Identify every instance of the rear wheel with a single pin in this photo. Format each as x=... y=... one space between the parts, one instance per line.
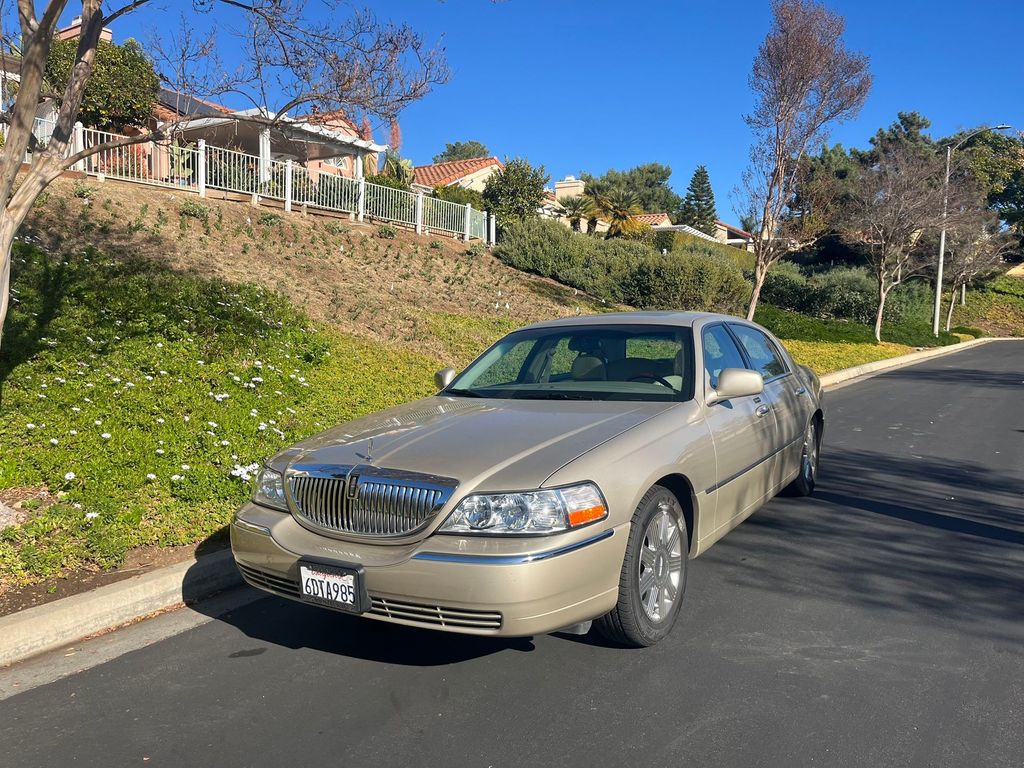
x=803 y=485
x=653 y=575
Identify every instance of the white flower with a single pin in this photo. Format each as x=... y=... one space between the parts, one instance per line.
x=151 y=477
x=159 y=420
x=149 y=378
x=98 y=422
x=76 y=409
x=186 y=418
x=53 y=441
x=212 y=424
x=105 y=435
x=72 y=431
x=159 y=345
x=185 y=467
x=175 y=478
x=30 y=425
x=69 y=476
x=245 y=472
x=225 y=443
x=91 y=515
x=261 y=427
x=159 y=451
x=200 y=362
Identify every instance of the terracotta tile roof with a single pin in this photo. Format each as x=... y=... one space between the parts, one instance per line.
x=731 y=228
x=653 y=219
x=442 y=174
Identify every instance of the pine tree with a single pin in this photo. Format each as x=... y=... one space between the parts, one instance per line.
x=698 y=208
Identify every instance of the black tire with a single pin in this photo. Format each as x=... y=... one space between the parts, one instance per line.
x=804 y=483
x=629 y=623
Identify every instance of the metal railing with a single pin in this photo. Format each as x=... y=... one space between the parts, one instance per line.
x=200 y=166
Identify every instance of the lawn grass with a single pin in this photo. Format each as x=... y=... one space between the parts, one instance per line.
x=141 y=399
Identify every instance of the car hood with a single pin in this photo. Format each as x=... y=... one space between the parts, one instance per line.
x=485 y=444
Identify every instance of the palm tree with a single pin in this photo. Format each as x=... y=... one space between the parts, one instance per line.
x=575 y=208
x=620 y=206
x=596 y=195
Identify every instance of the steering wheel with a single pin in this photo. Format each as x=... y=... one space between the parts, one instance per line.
x=653 y=378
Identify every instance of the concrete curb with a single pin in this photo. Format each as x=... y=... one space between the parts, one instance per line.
x=46 y=627
x=848 y=375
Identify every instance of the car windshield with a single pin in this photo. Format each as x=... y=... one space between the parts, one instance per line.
x=586 y=362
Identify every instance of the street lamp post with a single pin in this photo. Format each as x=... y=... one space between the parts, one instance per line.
x=950 y=149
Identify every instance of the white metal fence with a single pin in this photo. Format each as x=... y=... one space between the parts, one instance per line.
x=199 y=167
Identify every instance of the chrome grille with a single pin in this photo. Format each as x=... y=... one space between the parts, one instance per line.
x=367 y=501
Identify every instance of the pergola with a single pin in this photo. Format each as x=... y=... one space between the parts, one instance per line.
x=270 y=137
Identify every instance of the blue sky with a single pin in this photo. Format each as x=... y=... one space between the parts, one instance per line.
x=592 y=84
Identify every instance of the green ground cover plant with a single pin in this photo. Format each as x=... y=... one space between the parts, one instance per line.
x=143 y=399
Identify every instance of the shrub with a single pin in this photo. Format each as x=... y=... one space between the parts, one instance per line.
x=384 y=232
x=270 y=219
x=195 y=210
x=82 y=190
x=436 y=245
x=460 y=195
x=967 y=330
x=387 y=181
x=622 y=270
x=707 y=283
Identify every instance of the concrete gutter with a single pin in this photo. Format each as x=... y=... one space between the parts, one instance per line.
x=47 y=627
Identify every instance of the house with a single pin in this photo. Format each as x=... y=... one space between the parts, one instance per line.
x=471 y=174
x=654 y=219
x=734 y=236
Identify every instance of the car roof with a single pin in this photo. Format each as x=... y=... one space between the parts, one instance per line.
x=685 y=319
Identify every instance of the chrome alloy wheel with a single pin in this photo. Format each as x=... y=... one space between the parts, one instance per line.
x=661 y=564
x=809 y=460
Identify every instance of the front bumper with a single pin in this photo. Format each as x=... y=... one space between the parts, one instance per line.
x=482 y=586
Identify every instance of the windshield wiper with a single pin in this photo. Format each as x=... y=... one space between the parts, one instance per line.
x=553 y=396
x=461 y=393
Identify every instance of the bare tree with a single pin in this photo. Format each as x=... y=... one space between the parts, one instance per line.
x=351 y=61
x=804 y=79
x=896 y=204
x=975 y=249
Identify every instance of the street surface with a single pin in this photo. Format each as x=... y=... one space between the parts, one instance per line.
x=879 y=623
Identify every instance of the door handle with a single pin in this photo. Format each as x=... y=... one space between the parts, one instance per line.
x=763 y=410
x=801 y=391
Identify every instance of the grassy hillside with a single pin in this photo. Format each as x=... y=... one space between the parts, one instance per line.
x=997 y=309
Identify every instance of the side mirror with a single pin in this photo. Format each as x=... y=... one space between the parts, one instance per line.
x=737 y=382
x=444 y=377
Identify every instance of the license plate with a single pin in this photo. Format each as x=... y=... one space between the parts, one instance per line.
x=332 y=586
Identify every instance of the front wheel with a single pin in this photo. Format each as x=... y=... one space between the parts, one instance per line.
x=653 y=575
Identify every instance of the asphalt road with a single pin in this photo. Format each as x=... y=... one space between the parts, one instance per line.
x=880 y=623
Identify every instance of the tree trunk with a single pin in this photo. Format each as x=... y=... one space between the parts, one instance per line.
x=952 y=304
x=882 y=295
x=760 y=274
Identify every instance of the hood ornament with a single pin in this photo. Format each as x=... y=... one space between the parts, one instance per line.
x=368 y=456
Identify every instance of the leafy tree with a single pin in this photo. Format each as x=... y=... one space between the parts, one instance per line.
x=996 y=162
x=576 y=209
x=649 y=182
x=515 y=191
x=698 y=209
x=121 y=90
x=462 y=150
x=908 y=131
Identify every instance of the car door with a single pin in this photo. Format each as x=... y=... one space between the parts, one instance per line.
x=743 y=430
x=781 y=394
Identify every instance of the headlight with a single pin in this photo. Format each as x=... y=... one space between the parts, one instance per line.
x=270 y=490
x=548 y=511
